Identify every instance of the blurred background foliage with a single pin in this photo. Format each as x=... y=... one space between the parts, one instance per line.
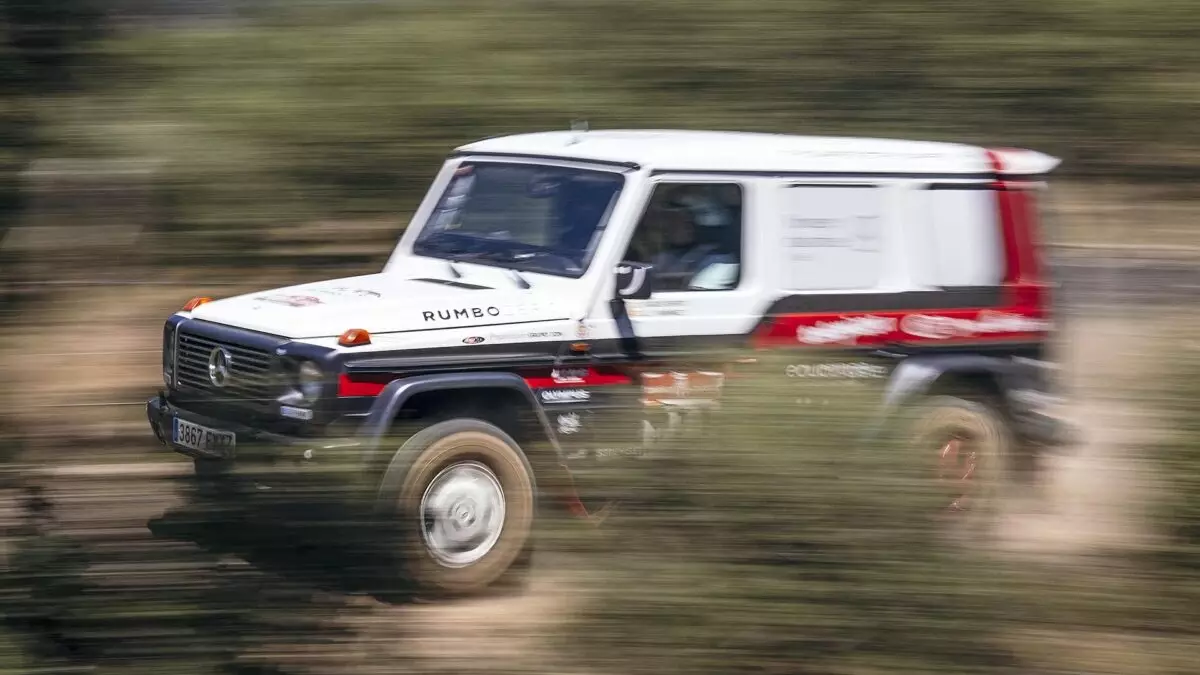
x=269 y=111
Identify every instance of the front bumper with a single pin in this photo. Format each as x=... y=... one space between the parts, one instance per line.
x=253 y=446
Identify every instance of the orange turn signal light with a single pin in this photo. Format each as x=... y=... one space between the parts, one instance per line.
x=580 y=347
x=194 y=303
x=354 y=337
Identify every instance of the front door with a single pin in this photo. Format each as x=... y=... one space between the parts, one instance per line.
x=705 y=301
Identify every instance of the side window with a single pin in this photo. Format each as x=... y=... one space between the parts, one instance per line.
x=831 y=237
x=692 y=234
x=967 y=246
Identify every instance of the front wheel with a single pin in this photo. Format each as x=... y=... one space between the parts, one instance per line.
x=463 y=497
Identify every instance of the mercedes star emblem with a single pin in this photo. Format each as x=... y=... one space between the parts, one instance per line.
x=219 y=364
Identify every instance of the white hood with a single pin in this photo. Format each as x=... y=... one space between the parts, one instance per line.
x=380 y=303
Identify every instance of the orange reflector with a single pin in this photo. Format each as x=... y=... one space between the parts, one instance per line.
x=354 y=337
x=194 y=303
x=579 y=347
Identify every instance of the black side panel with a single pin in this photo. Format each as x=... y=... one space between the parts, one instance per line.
x=957 y=298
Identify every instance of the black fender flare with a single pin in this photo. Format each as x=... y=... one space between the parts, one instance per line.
x=916 y=375
x=391 y=400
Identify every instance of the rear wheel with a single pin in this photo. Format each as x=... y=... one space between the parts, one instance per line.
x=970 y=445
x=461 y=495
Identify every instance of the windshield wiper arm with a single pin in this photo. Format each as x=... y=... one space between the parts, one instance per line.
x=521 y=282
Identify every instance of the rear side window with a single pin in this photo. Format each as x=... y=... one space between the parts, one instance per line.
x=832 y=236
x=962 y=231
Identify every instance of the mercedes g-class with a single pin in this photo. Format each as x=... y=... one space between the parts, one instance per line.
x=550 y=280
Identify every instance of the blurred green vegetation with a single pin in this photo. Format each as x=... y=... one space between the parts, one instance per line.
x=318 y=109
x=784 y=540
x=42 y=47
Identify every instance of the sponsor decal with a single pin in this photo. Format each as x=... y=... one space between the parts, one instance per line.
x=569 y=375
x=581 y=331
x=291 y=300
x=699 y=385
x=938 y=327
x=617 y=453
x=569 y=424
x=565 y=395
x=854 y=370
x=460 y=313
x=525 y=336
x=846 y=330
x=656 y=307
x=347 y=291
x=473 y=340
x=883 y=327
x=560 y=376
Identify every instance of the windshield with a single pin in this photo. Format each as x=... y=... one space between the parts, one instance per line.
x=521 y=216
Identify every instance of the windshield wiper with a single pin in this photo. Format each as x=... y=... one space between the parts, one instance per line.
x=565 y=262
x=521 y=282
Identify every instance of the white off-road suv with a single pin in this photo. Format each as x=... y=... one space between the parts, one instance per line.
x=550 y=280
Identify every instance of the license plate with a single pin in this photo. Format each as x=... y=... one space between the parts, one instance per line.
x=203 y=439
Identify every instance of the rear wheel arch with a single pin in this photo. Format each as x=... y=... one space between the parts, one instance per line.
x=981 y=386
x=983 y=379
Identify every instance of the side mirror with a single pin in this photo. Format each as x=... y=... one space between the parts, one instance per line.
x=634 y=281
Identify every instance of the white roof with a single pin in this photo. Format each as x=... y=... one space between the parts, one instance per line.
x=740 y=152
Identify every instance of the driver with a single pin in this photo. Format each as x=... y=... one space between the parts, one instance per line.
x=684 y=253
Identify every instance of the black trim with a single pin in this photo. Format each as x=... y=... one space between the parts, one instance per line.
x=834 y=185
x=480 y=325
x=443 y=359
x=456 y=284
x=633 y=166
x=628 y=336
x=826 y=174
x=393 y=397
x=999 y=185
x=957 y=298
x=962 y=186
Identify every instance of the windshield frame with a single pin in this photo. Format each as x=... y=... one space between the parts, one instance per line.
x=441 y=191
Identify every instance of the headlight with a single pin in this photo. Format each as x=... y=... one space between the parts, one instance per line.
x=310 y=380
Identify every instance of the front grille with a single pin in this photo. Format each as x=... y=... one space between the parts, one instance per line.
x=250 y=369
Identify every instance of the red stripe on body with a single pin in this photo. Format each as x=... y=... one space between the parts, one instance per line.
x=363 y=385
x=870 y=329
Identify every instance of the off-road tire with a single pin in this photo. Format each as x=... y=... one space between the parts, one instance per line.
x=937 y=418
x=416 y=464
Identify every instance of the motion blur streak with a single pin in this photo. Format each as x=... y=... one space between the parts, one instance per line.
x=157 y=150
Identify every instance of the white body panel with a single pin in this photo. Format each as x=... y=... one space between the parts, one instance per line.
x=879 y=232
x=384 y=304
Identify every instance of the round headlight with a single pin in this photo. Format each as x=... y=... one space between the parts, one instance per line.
x=310 y=381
